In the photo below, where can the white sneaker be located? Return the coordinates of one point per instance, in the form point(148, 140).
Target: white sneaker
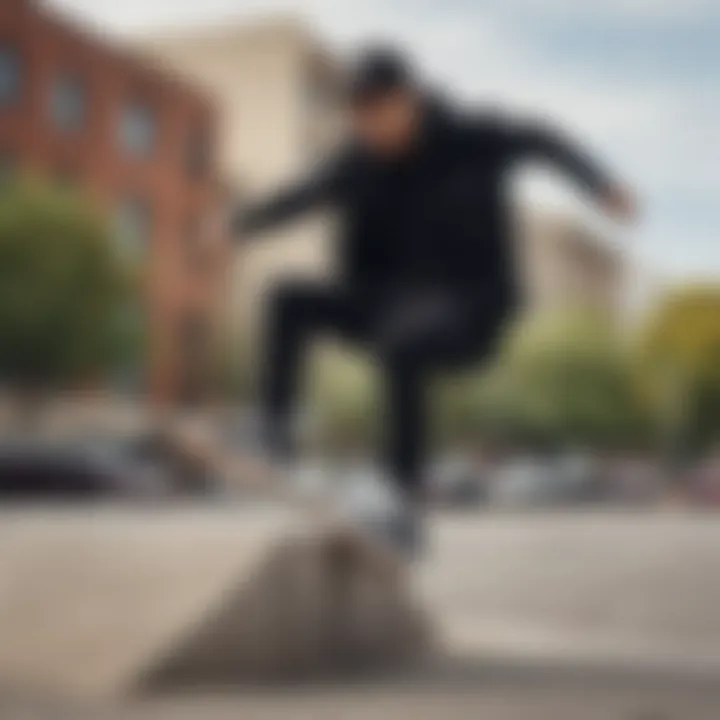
point(375, 505)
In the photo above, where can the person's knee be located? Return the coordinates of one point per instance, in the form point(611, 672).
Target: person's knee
point(403, 363)
point(402, 346)
point(287, 293)
point(289, 299)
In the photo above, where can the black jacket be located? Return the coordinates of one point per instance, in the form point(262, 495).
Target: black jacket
point(437, 218)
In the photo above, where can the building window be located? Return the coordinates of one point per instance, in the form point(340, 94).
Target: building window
point(68, 103)
point(133, 227)
point(197, 251)
point(197, 153)
point(10, 76)
point(138, 131)
point(192, 233)
point(193, 347)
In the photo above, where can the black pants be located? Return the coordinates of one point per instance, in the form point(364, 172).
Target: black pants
point(410, 333)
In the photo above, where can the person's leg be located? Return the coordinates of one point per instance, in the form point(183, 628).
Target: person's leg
point(296, 312)
point(416, 339)
point(404, 427)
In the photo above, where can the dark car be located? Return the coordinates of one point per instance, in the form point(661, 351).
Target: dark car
point(456, 481)
point(96, 468)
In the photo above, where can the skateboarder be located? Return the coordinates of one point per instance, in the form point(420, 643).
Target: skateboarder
point(426, 278)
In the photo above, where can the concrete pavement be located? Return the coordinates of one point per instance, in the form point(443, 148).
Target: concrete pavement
point(485, 689)
point(605, 615)
point(617, 587)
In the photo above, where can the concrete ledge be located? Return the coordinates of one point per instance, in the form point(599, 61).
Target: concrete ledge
point(105, 603)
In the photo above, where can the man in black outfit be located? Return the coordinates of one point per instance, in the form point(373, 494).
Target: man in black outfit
point(426, 271)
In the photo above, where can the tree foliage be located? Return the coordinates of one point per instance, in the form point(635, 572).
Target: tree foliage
point(64, 294)
point(344, 398)
point(563, 379)
point(680, 355)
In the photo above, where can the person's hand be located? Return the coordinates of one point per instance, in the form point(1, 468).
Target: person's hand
point(621, 204)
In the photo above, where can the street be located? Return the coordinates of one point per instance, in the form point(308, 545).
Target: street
point(604, 615)
point(479, 688)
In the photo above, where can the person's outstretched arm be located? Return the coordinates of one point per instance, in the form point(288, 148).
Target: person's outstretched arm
point(321, 188)
point(537, 140)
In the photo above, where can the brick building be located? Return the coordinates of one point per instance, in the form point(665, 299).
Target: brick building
point(141, 142)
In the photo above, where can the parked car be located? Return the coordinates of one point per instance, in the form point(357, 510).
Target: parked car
point(704, 482)
point(635, 480)
point(531, 480)
point(456, 481)
point(98, 467)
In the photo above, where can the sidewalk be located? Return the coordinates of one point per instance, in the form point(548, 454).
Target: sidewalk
point(629, 589)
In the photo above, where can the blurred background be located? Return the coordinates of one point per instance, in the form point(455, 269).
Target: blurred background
point(129, 322)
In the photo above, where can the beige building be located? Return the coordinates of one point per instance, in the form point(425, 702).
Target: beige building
point(273, 83)
point(563, 263)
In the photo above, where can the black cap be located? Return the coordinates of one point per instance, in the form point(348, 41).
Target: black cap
point(377, 72)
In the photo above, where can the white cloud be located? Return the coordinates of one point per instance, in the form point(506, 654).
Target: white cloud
point(623, 10)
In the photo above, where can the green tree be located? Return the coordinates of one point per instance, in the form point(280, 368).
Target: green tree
point(344, 399)
point(64, 294)
point(560, 379)
point(680, 357)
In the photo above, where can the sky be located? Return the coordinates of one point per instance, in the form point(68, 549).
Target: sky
point(637, 80)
